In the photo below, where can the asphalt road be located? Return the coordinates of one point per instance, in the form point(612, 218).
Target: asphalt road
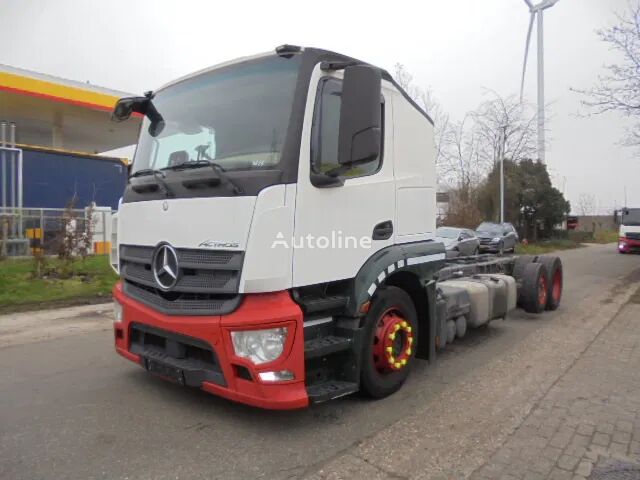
point(71, 408)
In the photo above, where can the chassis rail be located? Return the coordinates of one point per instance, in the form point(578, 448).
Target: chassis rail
point(468, 266)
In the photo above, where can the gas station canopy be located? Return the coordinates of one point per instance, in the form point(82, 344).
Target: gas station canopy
point(52, 112)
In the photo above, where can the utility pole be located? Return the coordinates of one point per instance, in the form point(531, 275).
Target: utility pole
point(502, 147)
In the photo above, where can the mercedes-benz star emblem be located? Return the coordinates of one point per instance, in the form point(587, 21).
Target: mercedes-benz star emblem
point(165, 266)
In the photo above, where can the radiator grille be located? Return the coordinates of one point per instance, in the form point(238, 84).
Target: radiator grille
point(208, 280)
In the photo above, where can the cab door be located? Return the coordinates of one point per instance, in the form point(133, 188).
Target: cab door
point(337, 228)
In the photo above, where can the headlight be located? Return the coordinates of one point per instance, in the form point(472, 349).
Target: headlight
point(117, 311)
point(496, 240)
point(259, 346)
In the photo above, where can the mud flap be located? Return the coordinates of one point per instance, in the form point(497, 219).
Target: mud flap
point(427, 341)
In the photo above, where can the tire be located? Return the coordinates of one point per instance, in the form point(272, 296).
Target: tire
point(520, 263)
point(534, 290)
point(388, 301)
point(555, 279)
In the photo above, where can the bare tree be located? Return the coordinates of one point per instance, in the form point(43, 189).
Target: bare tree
point(472, 147)
point(508, 125)
point(586, 204)
point(462, 164)
point(619, 88)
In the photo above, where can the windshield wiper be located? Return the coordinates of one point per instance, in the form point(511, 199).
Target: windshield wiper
point(219, 169)
point(158, 176)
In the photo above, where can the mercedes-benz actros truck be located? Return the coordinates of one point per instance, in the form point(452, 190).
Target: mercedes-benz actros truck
point(275, 237)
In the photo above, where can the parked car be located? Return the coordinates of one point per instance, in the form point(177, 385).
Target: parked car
point(458, 241)
point(497, 237)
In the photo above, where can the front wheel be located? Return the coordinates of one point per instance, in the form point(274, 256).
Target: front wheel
point(390, 342)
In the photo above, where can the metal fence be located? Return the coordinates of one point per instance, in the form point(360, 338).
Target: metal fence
point(29, 230)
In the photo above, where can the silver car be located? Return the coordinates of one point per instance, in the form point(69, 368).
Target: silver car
point(497, 237)
point(458, 241)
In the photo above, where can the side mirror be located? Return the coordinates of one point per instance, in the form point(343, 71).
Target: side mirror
point(126, 106)
point(360, 115)
point(143, 105)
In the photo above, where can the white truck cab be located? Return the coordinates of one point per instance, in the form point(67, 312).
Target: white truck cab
point(275, 239)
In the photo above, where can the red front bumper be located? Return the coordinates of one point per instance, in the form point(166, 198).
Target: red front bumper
point(626, 245)
point(268, 310)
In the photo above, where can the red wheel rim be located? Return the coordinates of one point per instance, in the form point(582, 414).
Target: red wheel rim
point(556, 288)
point(392, 342)
point(542, 291)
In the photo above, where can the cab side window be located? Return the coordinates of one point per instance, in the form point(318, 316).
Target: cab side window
point(324, 132)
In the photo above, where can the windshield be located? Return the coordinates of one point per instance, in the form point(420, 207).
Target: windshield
point(445, 232)
point(631, 217)
point(236, 116)
point(492, 228)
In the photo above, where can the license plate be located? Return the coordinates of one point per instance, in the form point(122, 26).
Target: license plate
point(165, 371)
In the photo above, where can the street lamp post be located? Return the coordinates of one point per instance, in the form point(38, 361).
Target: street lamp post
point(502, 148)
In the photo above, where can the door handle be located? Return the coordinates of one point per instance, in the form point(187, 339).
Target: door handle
point(383, 231)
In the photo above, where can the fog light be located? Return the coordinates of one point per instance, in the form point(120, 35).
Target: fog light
point(117, 311)
point(259, 346)
point(281, 376)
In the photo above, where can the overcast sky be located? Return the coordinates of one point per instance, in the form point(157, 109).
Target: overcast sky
point(458, 48)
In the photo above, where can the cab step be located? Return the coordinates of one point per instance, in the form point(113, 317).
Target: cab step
point(323, 346)
point(313, 304)
point(323, 392)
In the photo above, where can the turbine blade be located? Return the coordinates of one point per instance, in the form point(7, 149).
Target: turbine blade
point(546, 4)
point(526, 54)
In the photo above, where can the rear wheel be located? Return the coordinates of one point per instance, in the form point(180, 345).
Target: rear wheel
point(519, 264)
point(553, 265)
point(391, 335)
point(534, 289)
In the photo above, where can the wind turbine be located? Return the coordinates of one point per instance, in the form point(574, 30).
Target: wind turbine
point(537, 11)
